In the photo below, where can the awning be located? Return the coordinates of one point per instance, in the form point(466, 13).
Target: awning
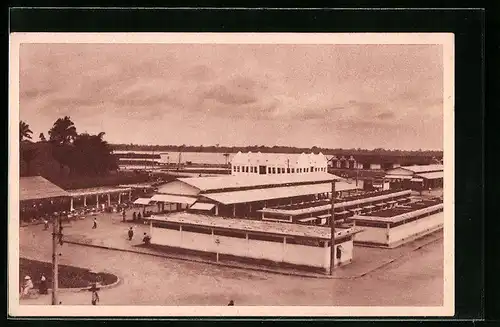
point(173, 199)
point(202, 206)
point(398, 177)
point(144, 201)
point(417, 180)
point(276, 193)
point(306, 220)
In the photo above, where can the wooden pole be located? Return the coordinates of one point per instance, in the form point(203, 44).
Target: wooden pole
point(332, 231)
point(55, 260)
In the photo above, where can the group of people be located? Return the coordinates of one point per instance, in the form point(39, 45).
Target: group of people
point(146, 238)
point(28, 286)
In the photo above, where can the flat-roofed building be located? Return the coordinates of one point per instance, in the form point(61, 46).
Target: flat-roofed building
point(277, 163)
point(288, 244)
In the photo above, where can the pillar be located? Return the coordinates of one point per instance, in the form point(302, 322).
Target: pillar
point(216, 209)
point(71, 205)
point(234, 210)
point(130, 195)
point(97, 201)
point(109, 200)
point(119, 198)
point(84, 200)
point(387, 231)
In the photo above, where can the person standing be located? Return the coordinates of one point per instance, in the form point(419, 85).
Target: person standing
point(95, 295)
point(43, 285)
point(45, 224)
point(130, 234)
point(94, 226)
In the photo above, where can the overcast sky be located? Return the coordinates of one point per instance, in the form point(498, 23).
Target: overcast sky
point(349, 96)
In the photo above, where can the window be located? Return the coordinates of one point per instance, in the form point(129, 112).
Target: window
point(269, 170)
point(230, 234)
point(267, 238)
point(274, 170)
point(255, 169)
point(288, 170)
point(246, 169)
point(199, 230)
point(234, 168)
point(293, 170)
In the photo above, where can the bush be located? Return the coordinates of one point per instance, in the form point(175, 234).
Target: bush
point(69, 276)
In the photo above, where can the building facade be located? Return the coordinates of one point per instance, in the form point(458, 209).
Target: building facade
point(277, 163)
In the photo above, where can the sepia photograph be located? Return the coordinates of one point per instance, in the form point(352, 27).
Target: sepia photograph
point(180, 174)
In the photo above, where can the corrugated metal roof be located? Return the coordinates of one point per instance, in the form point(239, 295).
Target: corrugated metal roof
point(144, 201)
point(224, 182)
point(397, 176)
point(423, 168)
point(37, 187)
point(97, 190)
point(434, 175)
point(284, 159)
point(173, 199)
point(246, 225)
point(276, 192)
point(202, 206)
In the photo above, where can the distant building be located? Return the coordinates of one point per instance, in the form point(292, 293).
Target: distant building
point(417, 176)
point(277, 163)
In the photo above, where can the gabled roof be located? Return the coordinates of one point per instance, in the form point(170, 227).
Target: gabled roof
point(242, 181)
point(423, 168)
point(37, 187)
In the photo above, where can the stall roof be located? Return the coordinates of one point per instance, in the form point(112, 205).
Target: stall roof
point(423, 168)
point(97, 190)
point(173, 199)
point(258, 226)
point(202, 206)
point(434, 175)
point(143, 201)
point(139, 185)
point(225, 182)
point(276, 193)
point(37, 187)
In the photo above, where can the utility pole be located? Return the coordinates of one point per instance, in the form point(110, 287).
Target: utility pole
point(332, 230)
point(55, 259)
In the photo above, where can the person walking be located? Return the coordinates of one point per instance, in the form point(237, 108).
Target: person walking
point(95, 224)
point(43, 285)
point(95, 295)
point(130, 234)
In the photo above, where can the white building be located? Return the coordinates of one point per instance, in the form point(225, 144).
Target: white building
point(277, 163)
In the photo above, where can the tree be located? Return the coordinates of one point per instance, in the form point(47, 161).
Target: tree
point(63, 132)
point(92, 155)
point(24, 131)
point(42, 137)
point(28, 155)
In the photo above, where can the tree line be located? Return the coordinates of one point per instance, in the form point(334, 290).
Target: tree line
point(277, 149)
point(82, 153)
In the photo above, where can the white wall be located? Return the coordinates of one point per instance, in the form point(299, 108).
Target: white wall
point(372, 235)
point(256, 249)
point(419, 226)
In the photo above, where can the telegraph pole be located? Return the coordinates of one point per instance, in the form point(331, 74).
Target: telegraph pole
point(55, 259)
point(332, 230)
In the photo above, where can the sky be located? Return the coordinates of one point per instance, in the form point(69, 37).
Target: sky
point(325, 95)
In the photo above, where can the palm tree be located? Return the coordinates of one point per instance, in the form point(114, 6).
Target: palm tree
point(63, 132)
point(24, 131)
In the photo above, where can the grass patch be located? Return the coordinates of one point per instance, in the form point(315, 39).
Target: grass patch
point(69, 276)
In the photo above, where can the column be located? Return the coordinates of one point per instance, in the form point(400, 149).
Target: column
point(84, 200)
point(119, 198)
point(130, 195)
point(216, 209)
point(71, 205)
point(109, 200)
point(234, 210)
point(97, 201)
point(387, 231)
